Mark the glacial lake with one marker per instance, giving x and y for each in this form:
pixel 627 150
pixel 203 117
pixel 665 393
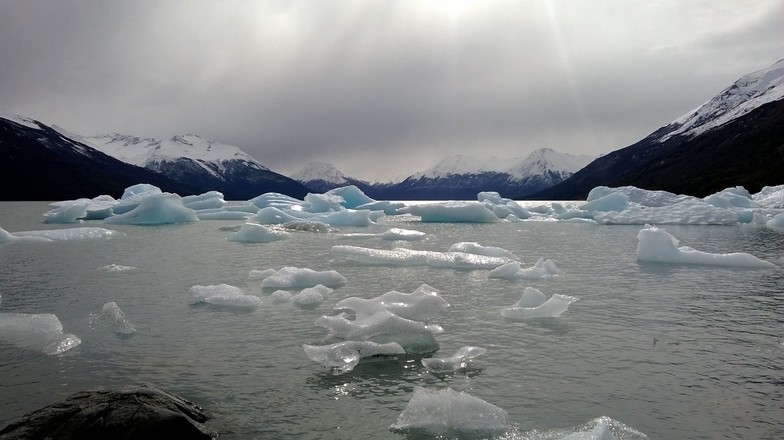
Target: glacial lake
pixel 673 351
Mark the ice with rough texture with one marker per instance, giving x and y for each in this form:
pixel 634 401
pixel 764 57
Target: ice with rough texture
pixel 410 257
pixel 273 199
pixel 534 304
pixel 450 413
pixel 68 234
pixel 291 277
pixel 737 197
pixel 687 212
pixel 514 270
pixel 208 200
pixel 639 196
pixel 256 233
pixel 383 326
pixel 402 235
pixel 601 428
pixel 157 209
pixel 67 213
pixel 342 357
pixel 113 317
pixel 308 226
pixel 311 296
pixel 223 295
pixel 280 297
pixel 458 361
pixel 658 246
pixel 770 197
pixel 322 203
pixel 344 217
pixel 41 332
pixel 478 249
pixel 471 212
pixel 423 304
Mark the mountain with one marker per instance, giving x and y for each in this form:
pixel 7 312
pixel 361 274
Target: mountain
pixel 200 163
pixel 321 177
pixel 736 138
pixel 461 177
pixel 41 163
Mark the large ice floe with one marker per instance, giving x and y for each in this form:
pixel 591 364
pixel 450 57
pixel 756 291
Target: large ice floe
pixel 40 332
pixel 156 209
pixel 473 212
pixel 411 257
pixel 423 304
pixel 534 304
pixel 658 246
pixel 223 295
pixel 342 357
pixel 68 234
pixel 450 413
pixel 291 277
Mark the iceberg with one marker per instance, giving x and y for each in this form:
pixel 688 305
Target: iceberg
pixel 311 296
pixel 256 233
pixel 514 270
pixel 534 304
pixel 275 200
pixel 41 332
pixel 208 200
pixel 658 246
pixel 323 203
pixel 457 361
pixel 69 212
pixel 223 295
pixel 770 197
pixel 450 413
pixel 383 326
pixel 472 212
pixel 478 249
pixel 342 357
pixel 352 196
pixel 423 304
pixel 156 209
pixel 410 257
pixel 293 277
pixel 112 317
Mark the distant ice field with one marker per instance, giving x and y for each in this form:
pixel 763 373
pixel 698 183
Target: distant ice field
pixel 668 349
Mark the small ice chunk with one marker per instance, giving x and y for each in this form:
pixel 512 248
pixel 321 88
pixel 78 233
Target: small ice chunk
pixel 457 361
pixel 410 257
pixel 223 295
pixel 311 296
pixel 41 332
pixel 7 237
pixel 261 274
pixel 156 210
pixel 256 233
pixel 383 326
pixel 402 234
pixel 450 413
pixel 342 357
pixel 478 249
pixel 116 268
pixel 534 304
pixel 423 304
pixel 294 277
pixel 308 226
pixel 514 270
pixel 472 212
pixel 658 246
pixel 280 297
pixel 113 317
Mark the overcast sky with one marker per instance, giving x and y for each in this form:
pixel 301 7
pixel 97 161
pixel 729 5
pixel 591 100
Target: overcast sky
pixel 378 87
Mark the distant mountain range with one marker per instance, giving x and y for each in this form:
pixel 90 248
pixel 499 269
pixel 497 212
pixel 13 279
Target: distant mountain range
pixel 736 138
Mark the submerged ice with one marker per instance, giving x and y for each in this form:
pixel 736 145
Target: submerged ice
pixel 411 257
pixel 41 332
pixel 342 357
pixel 458 361
pixel 223 295
pixel 294 277
pixel 534 304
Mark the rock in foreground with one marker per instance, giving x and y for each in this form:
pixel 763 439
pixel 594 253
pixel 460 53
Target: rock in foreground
pixel 127 412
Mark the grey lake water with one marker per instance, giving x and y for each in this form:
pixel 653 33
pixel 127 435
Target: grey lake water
pixel 674 351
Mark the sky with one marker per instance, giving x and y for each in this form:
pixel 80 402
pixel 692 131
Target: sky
pixel 379 88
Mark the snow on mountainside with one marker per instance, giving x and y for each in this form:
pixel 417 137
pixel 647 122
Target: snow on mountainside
pixel 150 152
pixel 462 164
pixel 315 171
pixel 744 95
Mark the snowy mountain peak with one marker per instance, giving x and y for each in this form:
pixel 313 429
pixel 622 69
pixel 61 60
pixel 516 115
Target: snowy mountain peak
pixel 461 164
pixel 21 120
pixel 314 171
pixel 547 160
pixel 744 95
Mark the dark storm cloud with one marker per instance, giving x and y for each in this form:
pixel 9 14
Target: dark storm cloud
pixel 379 88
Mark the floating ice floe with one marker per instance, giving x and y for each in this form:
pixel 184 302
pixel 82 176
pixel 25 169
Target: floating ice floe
pixel 473 212
pixel 208 200
pixel 352 196
pixel 514 270
pixel 116 268
pixel 423 304
pixel 293 277
pixel 280 297
pixel 501 207
pixel 156 209
pixel 658 246
pixel 450 413
pixel 534 304
pixel 402 235
pixel 85 233
pixel 256 233
pixel 41 332
pixel 223 295
pixel 410 257
pixel 383 326
pixel 457 361
pixel 601 428
pixel 345 217
pixel 113 318
pixel 478 249
pixel 342 357
pixel 68 212
pixel 308 226
pixel 311 296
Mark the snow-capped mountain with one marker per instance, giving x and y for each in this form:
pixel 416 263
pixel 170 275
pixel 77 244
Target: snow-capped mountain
pixel 42 163
pixel 463 176
pixel 733 139
pixel 321 177
pixel 199 162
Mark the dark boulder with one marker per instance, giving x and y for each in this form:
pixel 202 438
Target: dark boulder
pixel 128 412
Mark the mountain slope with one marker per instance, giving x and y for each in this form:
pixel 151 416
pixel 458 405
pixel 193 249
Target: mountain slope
pixel 736 138
pixel 40 163
pixel 201 163
pixel 321 177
